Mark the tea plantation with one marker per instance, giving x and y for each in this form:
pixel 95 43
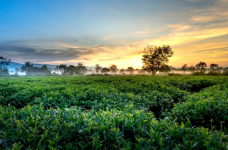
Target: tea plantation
pixel 114 112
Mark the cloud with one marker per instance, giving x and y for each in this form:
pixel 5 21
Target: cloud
pixel 218 12
pixel 179 27
pixel 110 59
pixel 42 54
pixel 197 1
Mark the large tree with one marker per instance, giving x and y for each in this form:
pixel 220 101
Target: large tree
pixel 155 57
pixel 113 68
pixel 98 68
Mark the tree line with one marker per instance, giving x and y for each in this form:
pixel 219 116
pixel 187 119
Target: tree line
pixel 154 60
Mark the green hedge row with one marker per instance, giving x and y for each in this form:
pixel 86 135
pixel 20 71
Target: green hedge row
pixel 33 127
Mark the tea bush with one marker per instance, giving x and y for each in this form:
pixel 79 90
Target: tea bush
pixel 114 112
pixel 208 108
pixel 33 127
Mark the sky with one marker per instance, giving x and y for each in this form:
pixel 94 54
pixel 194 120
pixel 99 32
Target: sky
pixel 113 31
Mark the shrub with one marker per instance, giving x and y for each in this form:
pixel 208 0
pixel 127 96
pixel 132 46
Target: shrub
pixel 225 73
pixel 198 73
pixel 174 74
pixel 212 73
pixel 35 128
pixel 207 108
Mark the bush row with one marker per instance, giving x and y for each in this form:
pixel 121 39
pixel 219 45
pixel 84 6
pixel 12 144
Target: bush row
pixel 33 127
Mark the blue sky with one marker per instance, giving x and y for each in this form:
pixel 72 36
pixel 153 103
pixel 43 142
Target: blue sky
pixel 107 32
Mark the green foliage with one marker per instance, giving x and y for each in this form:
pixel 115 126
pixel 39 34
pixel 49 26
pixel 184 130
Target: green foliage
pixel 174 74
pixel 33 127
pixel 225 73
pixel 200 108
pixel 201 73
pixel 124 112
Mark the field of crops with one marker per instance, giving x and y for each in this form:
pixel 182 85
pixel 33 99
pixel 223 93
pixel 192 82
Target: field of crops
pixel 131 112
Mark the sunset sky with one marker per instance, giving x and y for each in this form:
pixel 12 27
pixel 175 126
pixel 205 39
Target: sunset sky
pixel 113 31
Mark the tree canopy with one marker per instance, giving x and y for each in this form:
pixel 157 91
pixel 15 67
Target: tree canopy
pixel 201 66
pixel 4 62
pixel 130 70
pixel 155 57
pixel 113 68
pixel 105 70
pixel 98 68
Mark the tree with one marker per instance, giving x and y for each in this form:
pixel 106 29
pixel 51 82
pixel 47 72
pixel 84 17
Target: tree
pixel 44 69
pixel 130 70
pixel 80 69
pixel 63 69
pixel 141 71
pixel 225 69
pixel 184 68
pixel 4 72
pixel 201 66
pixel 165 69
pixel 113 68
pixel 155 57
pixel 214 67
pixel 71 70
pixel 122 71
pixel 3 63
pixel 16 71
pixel 98 68
pixel 27 68
pixel 105 70
pixel 192 69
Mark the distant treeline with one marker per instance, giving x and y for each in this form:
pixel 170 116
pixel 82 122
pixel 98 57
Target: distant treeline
pixel 69 70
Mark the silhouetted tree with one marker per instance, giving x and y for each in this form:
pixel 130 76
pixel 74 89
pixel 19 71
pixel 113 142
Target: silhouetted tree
pixel 98 68
pixel 63 69
pixel 105 70
pixel 192 69
pixel 16 71
pixel 27 68
pixel 141 71
pixel 122 71
pixel 130 70
pixel 214 67
pixel 225 69
pixel 113 68
pixel 201 66
pixel 71 70
pixel 165 69
pixel 184 68
pixel 80 69
pixel 44 69
pixel 155 57
pixel 3 63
